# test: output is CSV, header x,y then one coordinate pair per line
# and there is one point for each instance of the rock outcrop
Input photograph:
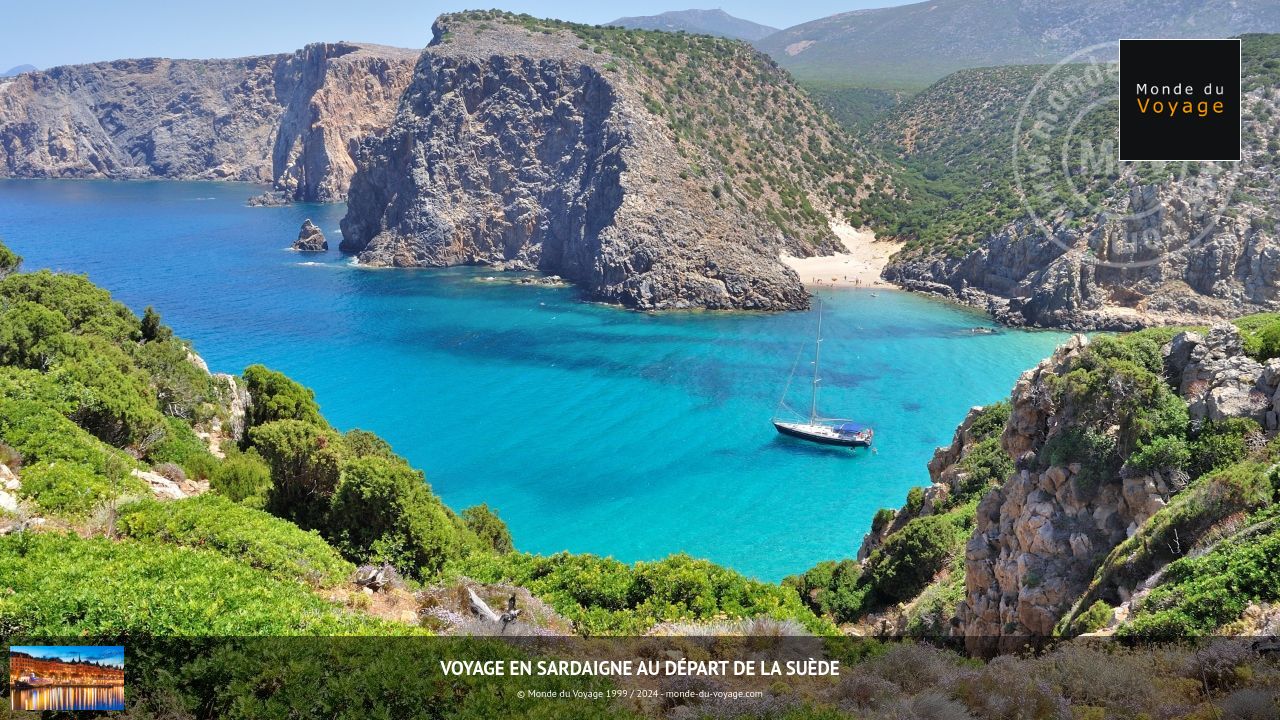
x,y
1040,537
310,238
524,148
1195,247
291,120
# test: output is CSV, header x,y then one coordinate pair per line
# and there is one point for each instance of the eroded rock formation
x,y
291,119
310,239
528,150
1041,536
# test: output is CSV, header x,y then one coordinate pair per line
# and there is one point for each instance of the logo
x,y
1180,100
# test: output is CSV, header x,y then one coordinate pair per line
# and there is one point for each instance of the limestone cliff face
x,y
290,119
529,149
338,95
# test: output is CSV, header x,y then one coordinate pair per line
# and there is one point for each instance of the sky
x,y
102,654
79,31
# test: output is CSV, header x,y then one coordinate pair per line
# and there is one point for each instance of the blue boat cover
x,y
851,427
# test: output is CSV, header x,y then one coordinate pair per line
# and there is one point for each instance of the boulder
x,y
310,239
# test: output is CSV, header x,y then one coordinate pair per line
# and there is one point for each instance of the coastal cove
x,y
588,428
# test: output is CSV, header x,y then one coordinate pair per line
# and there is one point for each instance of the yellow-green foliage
x,y
602,596
250,536
1173,531
63,585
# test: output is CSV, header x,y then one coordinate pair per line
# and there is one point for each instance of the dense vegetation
x,y
602,596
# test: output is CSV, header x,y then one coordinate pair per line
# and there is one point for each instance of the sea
x,y
588,428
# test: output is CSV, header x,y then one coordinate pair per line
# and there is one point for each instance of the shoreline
x,y
859,266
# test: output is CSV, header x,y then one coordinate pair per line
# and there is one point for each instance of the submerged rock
x,y
310,239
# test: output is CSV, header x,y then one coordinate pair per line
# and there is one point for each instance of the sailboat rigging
x,y
824,431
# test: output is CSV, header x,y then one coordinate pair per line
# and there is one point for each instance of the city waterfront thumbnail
x,y
67,677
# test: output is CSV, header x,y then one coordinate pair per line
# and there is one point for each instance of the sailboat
x,y
824,431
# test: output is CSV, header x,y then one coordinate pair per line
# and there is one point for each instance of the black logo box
x,y
1180,64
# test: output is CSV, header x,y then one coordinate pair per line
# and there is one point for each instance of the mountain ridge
x,y
705,22
911,46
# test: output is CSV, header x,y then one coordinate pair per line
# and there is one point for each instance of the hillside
x,y
1126,487
290,120
910,46
970,235
699,22
656,170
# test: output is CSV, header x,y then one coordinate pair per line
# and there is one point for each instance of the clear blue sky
x,y
102,654
63,32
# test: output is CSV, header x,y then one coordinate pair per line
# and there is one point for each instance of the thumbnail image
x,y
67,677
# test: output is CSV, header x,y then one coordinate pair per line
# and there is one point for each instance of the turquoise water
x,y
588,428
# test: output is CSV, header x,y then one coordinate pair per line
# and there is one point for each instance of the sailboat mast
x,y
817,355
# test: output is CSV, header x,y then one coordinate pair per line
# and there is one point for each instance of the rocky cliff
x,y
291,119
1052,530
1115,246
1129,486
656,171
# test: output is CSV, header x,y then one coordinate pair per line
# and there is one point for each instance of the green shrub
x,y
64,488
88,308
1221,444
602,596
915,501
1093,449
114,401
1177,527
991,421
383,511
276,397
487,526
1097,617
66,586
1163,453
180,445
882,518
152,328
1198,595
249,536
986,465
1261,335
29,335
306,462
244,477
9,261
907,561
362,443
182,389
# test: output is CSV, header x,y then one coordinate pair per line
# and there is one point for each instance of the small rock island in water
x,y
310,239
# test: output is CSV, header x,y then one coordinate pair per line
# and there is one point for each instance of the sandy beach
x,y
858,266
